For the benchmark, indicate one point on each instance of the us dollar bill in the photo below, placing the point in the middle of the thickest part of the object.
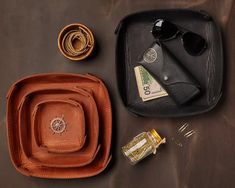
(148, 87)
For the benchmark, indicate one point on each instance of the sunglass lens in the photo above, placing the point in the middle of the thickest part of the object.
(164, 30)
(193, 43)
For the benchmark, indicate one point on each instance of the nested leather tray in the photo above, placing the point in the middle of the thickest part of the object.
(91, 85)
(44, 138)
(134, 37)
(79, 158)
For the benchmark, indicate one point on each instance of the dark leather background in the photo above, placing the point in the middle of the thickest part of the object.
(28, 45)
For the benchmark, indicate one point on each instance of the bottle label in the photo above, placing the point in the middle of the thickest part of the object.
(135, 147)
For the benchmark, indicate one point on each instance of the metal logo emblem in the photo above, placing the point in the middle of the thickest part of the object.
(150, 55)
(58, 125)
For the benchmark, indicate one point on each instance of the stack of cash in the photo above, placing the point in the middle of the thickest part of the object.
(148, 87)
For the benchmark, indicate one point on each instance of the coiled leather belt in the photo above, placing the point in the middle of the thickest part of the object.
(76, 41)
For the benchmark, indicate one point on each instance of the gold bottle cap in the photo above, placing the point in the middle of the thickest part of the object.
(156, 135)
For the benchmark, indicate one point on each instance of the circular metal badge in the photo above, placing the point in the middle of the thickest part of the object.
(150, 55)
(58, 125)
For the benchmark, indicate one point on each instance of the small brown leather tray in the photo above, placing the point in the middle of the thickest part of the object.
(92, 85)
(47, 111)
(34, 153)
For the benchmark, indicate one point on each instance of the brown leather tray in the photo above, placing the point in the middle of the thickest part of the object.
(80, 158)
(45, 136)
(65, 81)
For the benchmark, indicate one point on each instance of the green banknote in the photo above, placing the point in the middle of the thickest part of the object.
(148, 87)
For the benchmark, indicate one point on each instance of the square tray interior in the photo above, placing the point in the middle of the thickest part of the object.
(43, 157)
(134, 37)
(53, 119)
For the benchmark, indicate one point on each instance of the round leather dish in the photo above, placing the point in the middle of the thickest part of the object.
(76, 41)
(45, 158)
(52, 119)
(87, 82)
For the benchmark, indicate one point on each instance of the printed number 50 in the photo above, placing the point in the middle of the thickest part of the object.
(146, 90)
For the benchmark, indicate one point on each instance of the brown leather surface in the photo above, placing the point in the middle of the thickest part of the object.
(88, 152)
(28, 38)
(27, 157)
(53, 144)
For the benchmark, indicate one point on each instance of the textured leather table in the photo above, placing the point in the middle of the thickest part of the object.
(28, 38)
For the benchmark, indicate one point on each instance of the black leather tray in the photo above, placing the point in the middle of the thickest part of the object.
(134, 37)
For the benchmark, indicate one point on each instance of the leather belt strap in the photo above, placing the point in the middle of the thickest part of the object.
(83, 38)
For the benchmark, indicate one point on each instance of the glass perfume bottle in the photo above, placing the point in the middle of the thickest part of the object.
(142, 145)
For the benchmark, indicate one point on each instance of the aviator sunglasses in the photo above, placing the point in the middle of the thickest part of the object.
(193, 43)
